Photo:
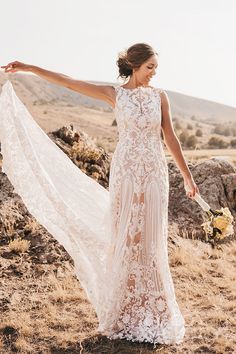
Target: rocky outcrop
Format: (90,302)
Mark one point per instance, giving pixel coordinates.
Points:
(216,180)
(81,149)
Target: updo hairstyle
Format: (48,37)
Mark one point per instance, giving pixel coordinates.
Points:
(133,58)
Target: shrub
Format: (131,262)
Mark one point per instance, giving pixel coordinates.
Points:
(19,246)
(215,142)
(233,142)
(189,126)
(198,132)
(221,129)
(226,131)
(191,141)
(177,124)
(183,136)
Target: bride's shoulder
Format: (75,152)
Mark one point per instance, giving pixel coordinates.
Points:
(158,89)
(164,99)
(162,93)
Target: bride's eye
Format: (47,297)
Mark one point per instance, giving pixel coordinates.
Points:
(151,67)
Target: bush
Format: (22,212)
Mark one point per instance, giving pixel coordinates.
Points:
(218,143)
(191,141)
(198,132)
(177,124)
(183,136)
(189,126)
(226,131)
(221,129)
(233,143)
(19,246)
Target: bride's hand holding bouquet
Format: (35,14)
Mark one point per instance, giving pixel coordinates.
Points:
(190,187)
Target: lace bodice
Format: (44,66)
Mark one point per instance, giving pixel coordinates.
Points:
(138,112)
(139,148)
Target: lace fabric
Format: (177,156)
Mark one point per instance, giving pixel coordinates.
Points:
(143,305)
(117,237)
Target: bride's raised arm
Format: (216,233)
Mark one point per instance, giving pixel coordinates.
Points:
(100,92)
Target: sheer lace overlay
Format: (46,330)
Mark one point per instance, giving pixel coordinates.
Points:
(117,238)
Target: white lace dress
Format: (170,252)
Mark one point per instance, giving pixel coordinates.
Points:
(117,238)
(142,305)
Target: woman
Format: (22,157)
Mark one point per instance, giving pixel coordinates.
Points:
(117,239)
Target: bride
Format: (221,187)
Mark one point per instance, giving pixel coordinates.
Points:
(118,237)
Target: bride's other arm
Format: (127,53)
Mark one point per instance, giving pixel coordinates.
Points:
(173,144)
(100,92)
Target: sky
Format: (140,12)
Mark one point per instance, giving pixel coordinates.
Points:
(194,39)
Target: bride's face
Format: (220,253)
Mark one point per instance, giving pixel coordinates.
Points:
(147,70)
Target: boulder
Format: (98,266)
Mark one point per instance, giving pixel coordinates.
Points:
(82,150)
(216,180)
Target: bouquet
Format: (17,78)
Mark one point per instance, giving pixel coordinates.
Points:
(219,223)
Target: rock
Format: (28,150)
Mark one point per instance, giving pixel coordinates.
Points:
(67,134)
(10,335)
(216,180)
(229,182)
(82,150)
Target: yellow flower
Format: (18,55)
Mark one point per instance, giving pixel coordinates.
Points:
(228,231)
(221,222)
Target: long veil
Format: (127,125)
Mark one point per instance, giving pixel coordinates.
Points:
(69,204)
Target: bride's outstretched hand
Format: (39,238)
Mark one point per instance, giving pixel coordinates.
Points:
(190,187)
(15,66)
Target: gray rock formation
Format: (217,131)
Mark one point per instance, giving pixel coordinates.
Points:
(81,149)
(216,180)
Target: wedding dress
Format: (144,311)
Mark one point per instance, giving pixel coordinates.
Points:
(117,238)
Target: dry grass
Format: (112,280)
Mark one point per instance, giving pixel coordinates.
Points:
(19,246)
(49,313)
(199,154)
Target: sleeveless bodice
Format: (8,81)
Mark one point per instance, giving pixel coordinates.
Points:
(139,149)
(138,113)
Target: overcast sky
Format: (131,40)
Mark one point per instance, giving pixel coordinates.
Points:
(195,40)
